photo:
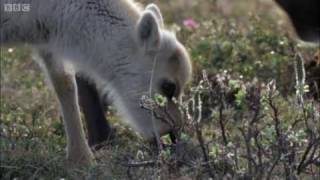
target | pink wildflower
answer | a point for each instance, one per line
(190, 24)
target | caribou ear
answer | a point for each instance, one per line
(148, 31)
(155, 9)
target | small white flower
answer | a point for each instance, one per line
(230, 155)
(272, 52)
(10, 50)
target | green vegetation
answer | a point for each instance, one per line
(247, 112)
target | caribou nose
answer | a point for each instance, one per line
(165, 121)
(170, 120)
(173, 137)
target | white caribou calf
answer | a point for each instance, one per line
(124, 50)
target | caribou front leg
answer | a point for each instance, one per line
(99, 130)
(64, 84)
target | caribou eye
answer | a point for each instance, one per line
(168, 88)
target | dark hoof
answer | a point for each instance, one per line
(103, 140)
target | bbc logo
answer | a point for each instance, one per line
(17, 7)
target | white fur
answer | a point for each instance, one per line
(115, 49)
